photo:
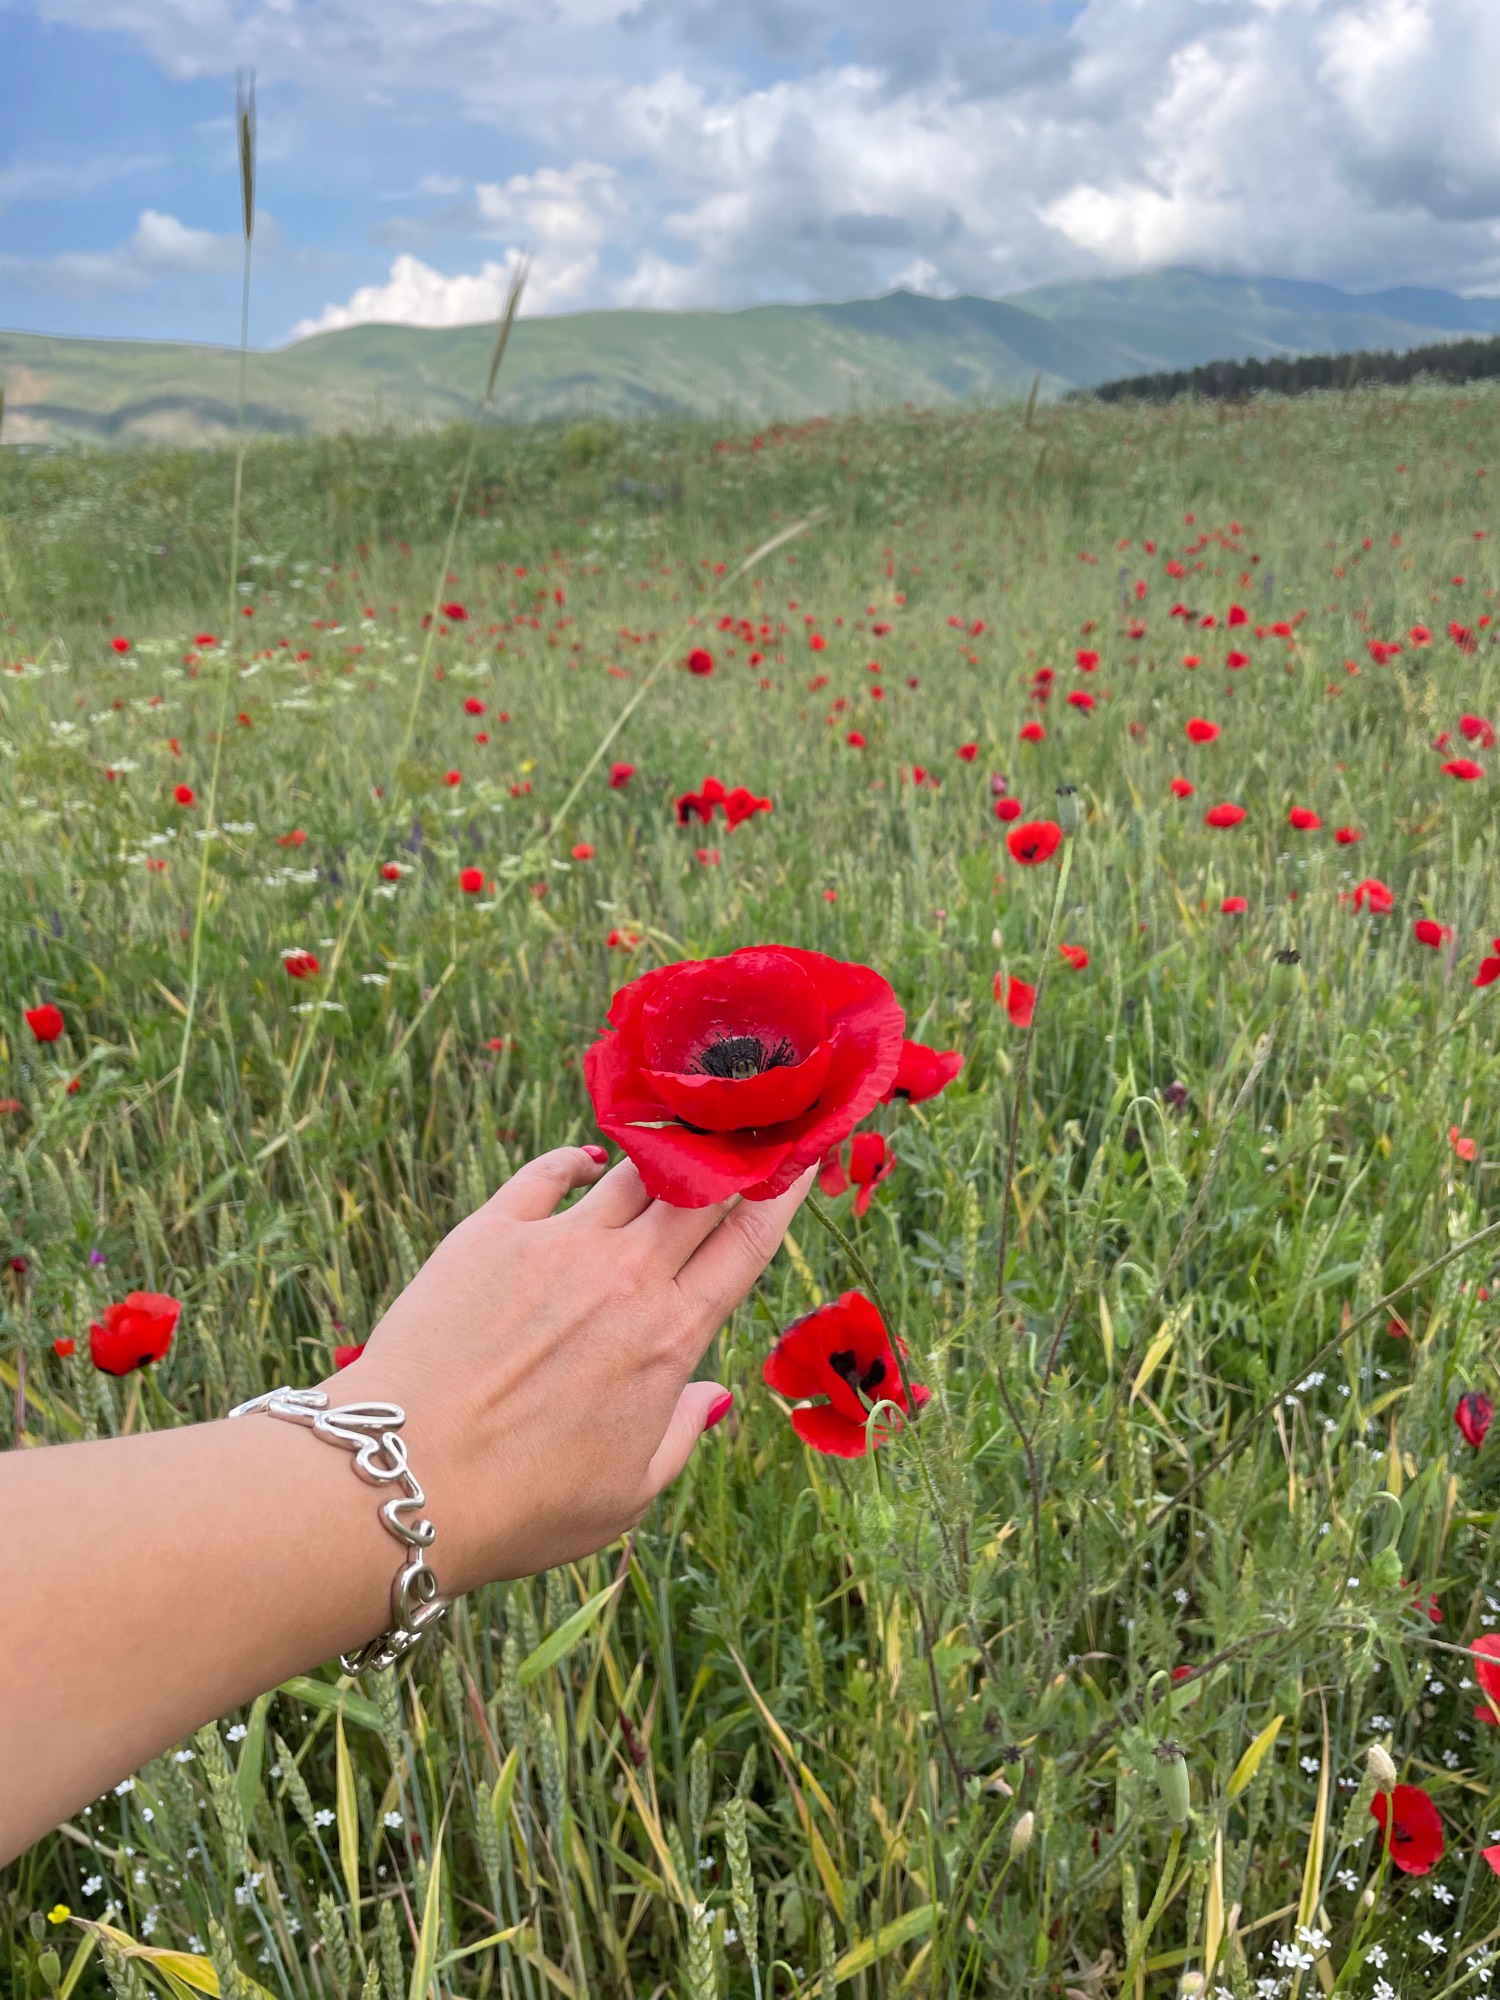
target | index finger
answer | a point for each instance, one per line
(719, 1274)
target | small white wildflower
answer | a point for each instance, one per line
(1432, 1941)
(1442, 1893)
(125, 1785)
(1311, 1765)
(1377, 1955)
(237, 1733)
(93, 1885)
(183, 1756)
(393, 1819)
(323, 1816)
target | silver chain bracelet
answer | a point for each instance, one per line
(372, 1432)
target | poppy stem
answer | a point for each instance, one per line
(1023, 1070)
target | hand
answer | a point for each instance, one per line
(544, 1359)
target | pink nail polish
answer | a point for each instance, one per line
(598, 1155)
(719, 1409)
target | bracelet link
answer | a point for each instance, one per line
(372, 1432)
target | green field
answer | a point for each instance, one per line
(1211, 1425)
(758, 365)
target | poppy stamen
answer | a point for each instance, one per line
(737, 1057)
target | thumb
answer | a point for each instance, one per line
(700, 1406)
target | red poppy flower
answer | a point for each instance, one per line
(1019, 998)
(45, 1022)
(1463, 767)
(967, 752)
(1080, 698)
(1412, 1826)
(471, 880)
(700, 804)
(855, 739)
(134, 1333)
(1182, 788)
(620, 776)
(730, 1075)
(1477, 730)
(184, 795)
(1225, 815)
(622, 941)
(1238, 615)
(841, 1352)
(301, 965)
(344, 1356)
(1465, 1148)
(708, 857)
(923, 1073)
(871, 1161)
(1032, 732)
(1199, 731)
(390, 871)
(1034, 841)
(455, 613)
(1087, 659)
(1235, 660)
(1007, 809)
(63, 1346)
(296, 838)
(1374, 895)
(832, 1180)
(1474, 1415)
(453, 777)
(1234, 906)
(1304, 819)
(1425, 931)
(473, 706)
(120, 645)
(1486, 1651)
(742, 804)
(1346, 836)
(700, 661)
(1075, 954)
(1489, 968)
(583, 851)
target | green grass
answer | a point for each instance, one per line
(1188, 1440)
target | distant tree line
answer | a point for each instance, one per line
(1295, 374)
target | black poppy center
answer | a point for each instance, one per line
(737, 1057)
(846, 1363)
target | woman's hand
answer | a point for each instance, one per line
(544, 1362)
(544, 1359)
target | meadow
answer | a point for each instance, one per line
(1069, 1688)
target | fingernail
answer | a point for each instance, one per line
(719, 1409)
(598, 1155)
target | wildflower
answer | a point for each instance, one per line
(1465, 1148)
(296, 838)
(390, 871)
(1304, 819)
(855, 739)
(1034, 841)
(582, 851)
(1476, 730)
(1032, 732)
(1224, 815)
(1412, 1826)
(301, 964)
(1234, 906)
(1075, 955)
(1374, 895)
(343, 1357)
(1425, 931)
(1019, 998)
(1007, 810)
(707, 857)
(700, 662)
(1182, 788)
(1486, 1651)
(455, 613)
(119, 645)
(1200, 731)
(730, 1075)
(1080, 698)
(45, 1022)
(619, 940)
(967, 752)
(1489, 968)
(184, 795)
(473, 706)
(1346, 836)
(133, 1333)
(742, 804)
(453, 778)
(1464, 768)
(471, 880)
(923, 1073)
(620, 776)
(1474, 1415)
(842, 1352)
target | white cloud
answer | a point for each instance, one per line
(159, 247)
(1353, 140)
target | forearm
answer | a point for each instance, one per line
(153, 1582)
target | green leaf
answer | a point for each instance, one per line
(566, 1637)
(1251, 1762)
(890, 1937)
(322, 1694)
(248, 1771)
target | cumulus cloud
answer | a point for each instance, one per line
(159, 247)
(716, 152)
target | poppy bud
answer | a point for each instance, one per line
(49, 1965)
(1020, 1834)
(1172, 1777)
(1191, 1986)
(1068, 811)
(1385, 1571)
(1381, 1769)
(1286, 974)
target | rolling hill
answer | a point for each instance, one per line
(777, 361)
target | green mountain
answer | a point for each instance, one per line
(755, 365)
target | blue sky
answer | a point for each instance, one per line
(723, 152)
